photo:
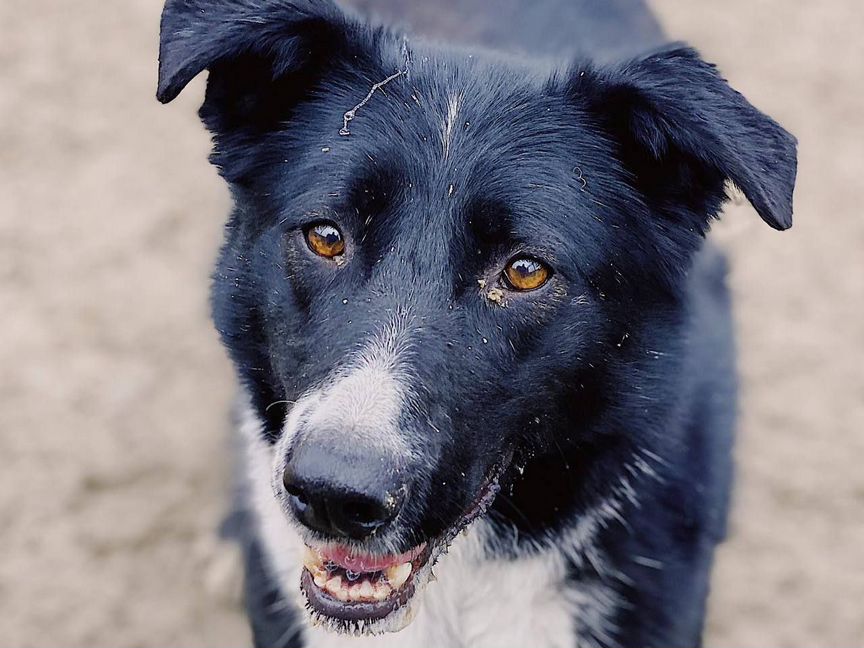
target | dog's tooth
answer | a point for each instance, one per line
(382, 591)
(354, 593)
(334, 585)
(311, 560)
(367, 590)
(320, 579)
(343, 595)
(398, 574)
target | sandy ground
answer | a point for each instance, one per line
(114, 391)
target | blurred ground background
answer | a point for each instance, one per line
(114, 391)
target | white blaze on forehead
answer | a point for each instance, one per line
(453, 104)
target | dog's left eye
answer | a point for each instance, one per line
(526, 273)
(325, 240)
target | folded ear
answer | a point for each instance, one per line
(199, 34)
(683, 131)
(265, 58)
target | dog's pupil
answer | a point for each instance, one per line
(526, 268)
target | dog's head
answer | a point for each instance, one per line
(436, 259)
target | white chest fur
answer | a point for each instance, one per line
(479, 603)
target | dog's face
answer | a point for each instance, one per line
(427, 294)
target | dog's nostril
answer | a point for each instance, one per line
(363, 513)
(292, 488)
(297, 493)
(359, 516)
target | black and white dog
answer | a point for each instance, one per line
(481, 338)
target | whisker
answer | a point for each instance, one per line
(279, 402)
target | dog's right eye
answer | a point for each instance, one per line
(325, 240)
(526, 273)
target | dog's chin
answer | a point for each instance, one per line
(354, 593)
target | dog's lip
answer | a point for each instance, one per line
(356, 611)
(485, 496)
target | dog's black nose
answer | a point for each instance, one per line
(341, 495)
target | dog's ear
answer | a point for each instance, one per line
(262, 55)
(682, 132)
(199, 34)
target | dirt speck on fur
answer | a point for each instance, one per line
(496, 296)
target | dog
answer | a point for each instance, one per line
(481, 338)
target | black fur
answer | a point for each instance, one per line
(620, 367)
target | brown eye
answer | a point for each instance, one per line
(525, 273)
(325, 240)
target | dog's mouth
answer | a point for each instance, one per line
(356, 590)
(353, 588)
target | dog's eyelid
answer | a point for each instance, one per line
(545, 253)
